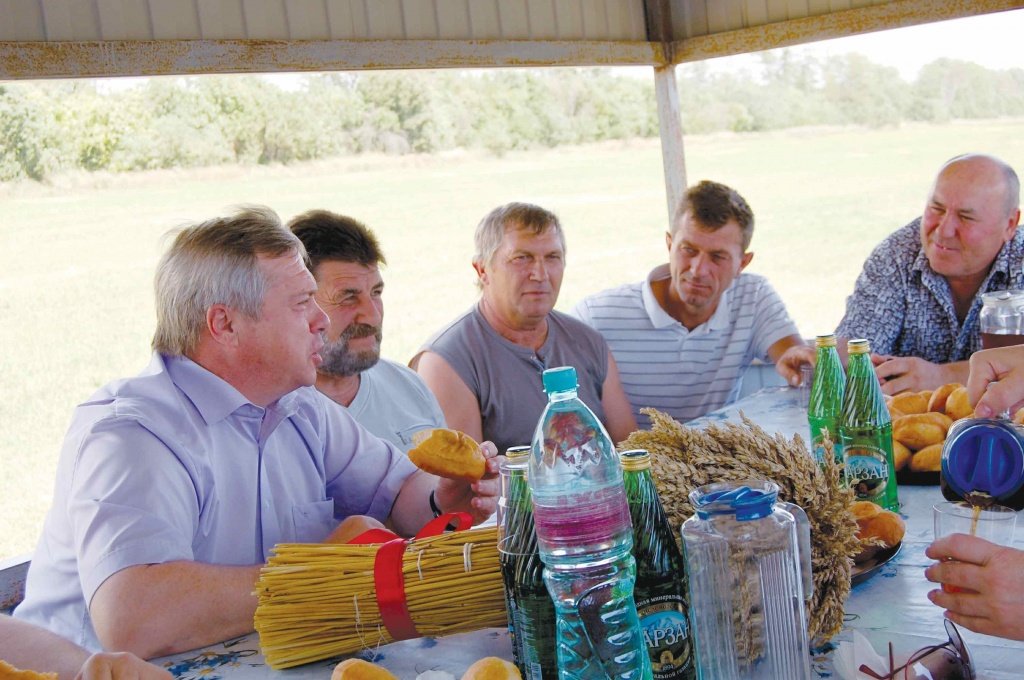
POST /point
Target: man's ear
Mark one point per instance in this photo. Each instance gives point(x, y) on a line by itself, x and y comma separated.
point(481, 272)
point(745, 260)
point(220, 323)
point(668, 240)
point(1011, 225)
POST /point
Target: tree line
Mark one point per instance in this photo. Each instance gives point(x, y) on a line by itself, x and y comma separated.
point(51, 127)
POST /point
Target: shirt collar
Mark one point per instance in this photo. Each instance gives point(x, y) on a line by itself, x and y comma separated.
point(661, 319)
point(214, 398)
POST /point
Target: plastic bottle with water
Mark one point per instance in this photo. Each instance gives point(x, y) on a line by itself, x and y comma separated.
point(585, 538)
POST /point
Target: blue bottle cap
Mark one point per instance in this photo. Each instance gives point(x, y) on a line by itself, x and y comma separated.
point(746, 502)
point(984, 456)
point(561, 379)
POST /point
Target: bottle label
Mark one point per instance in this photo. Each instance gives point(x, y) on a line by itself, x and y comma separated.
point(666, 634)
point(867, 472)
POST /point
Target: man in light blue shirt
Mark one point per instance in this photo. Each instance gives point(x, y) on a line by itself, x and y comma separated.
point(173, 486)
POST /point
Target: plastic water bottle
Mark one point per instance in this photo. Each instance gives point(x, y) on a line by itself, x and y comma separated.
point(585, 538)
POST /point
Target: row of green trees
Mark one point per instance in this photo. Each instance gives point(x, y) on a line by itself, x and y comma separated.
point(49, 127)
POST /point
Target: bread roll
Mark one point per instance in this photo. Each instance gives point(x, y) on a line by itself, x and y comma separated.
point(862, 510)
point(492, 668)
point(900, 455)
point(9, 672)
point(918, 430)
point(928, 459)
point(448, 453)
point(357, 669)
point(909, 402)
point(886, 526)
point(1019, 417)
point(958, 405)
point(940, 395)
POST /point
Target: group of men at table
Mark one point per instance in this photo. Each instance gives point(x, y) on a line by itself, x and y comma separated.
point(267, 414)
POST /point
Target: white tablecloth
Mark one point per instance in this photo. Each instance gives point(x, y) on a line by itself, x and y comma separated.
point(889, 606)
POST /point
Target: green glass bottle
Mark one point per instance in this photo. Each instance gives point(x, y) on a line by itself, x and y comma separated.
point(825, 407)
point(531, 613)
point(660, 591)
point(865, 432)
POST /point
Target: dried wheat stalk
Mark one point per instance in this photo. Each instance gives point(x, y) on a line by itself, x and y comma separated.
point(684, 458)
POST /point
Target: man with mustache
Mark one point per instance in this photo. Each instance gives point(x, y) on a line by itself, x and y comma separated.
point(485, 367)
point(385, 397)
point(918, 299)
point(683, 337)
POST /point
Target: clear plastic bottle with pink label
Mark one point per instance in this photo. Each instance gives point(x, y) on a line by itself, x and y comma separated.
point(585, 539)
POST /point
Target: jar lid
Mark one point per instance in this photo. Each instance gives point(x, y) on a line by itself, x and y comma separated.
point(984, 456)
point(750, 500)
point(1003, 298)
point(635, 459)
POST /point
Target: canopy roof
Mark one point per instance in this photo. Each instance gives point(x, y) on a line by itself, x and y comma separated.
point(85, 38)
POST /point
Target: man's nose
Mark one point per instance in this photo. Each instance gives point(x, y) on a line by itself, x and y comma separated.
point(539, 270)
point(699, 264)
point(320, 321)
point(947, 225)
point(369, 310)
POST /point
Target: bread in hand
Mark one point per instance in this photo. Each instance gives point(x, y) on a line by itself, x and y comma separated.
point(448, 453)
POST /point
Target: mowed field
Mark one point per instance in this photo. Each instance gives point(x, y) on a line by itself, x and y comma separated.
point(77, 257)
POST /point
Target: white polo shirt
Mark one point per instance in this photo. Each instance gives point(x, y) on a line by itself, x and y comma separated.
point(680, 372)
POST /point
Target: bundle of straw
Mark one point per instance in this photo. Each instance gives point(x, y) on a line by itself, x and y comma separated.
point(318, 600)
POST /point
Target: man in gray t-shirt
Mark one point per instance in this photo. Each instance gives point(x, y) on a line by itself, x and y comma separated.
point(485, 367)
point(385, 397)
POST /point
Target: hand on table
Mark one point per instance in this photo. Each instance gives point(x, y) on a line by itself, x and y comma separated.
point(480, 498)
point(902, 374)
point(788, 365)
point(120, 666)
point(990, 574)
point(996, 381)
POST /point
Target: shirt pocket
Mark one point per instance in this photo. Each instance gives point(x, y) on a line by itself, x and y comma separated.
point(313, 521)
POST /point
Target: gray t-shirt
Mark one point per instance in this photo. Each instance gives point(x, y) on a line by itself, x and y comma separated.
point(506, 377)
point(394, 403)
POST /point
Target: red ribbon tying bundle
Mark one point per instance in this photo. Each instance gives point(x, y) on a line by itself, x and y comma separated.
point(387, 570)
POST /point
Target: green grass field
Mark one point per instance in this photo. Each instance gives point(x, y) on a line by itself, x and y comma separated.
point(77, 257)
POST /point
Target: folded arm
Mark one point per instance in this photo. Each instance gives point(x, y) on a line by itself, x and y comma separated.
point(159, 609)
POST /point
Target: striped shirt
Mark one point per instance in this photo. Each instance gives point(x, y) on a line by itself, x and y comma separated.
point(680, 372)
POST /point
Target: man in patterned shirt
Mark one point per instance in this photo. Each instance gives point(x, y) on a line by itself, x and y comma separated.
point(918, 298)
point(684, 336)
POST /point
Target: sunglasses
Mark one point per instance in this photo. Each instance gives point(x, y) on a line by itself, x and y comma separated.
point(948, 661)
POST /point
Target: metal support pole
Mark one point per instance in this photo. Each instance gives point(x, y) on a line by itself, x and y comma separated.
point(671, 128)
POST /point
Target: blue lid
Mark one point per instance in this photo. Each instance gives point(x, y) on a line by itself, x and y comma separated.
point(747, 503)
point(561, 379)
point(984, 456)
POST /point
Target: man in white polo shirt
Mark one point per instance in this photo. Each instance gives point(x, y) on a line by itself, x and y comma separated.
point(683, 337)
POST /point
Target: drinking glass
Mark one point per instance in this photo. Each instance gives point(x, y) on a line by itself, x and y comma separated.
point(994, 523)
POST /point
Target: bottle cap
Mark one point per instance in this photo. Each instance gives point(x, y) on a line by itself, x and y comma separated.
point(825, 340)
point(983, 456)
point(750, 500)
point(859, 346)
point(561, 379)
point(514, 453)
point(635, 459)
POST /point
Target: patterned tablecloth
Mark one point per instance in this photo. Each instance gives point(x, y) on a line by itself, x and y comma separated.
point(891, 605)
